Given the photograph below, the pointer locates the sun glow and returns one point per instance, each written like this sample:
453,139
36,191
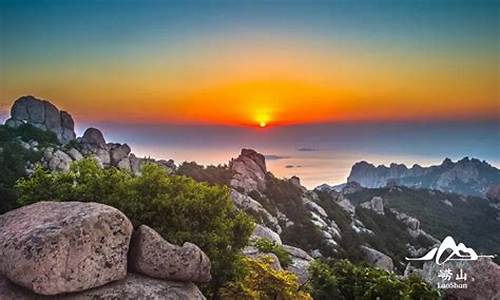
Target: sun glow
262,119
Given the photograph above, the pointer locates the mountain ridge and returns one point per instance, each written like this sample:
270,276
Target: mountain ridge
467,176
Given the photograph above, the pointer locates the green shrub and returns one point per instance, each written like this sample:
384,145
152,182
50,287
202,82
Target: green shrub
267,246
210,174
14,157
261,282
179,208
344,280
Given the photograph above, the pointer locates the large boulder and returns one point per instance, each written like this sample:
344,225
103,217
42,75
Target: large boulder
43,115
249,170
377,258
93,136
134,286
75,154
118,152
262,232
300,263
151,255
60,247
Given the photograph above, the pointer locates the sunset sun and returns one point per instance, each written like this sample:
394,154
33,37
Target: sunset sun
262,119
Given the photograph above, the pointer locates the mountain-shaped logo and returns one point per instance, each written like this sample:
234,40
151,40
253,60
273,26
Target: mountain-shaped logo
458,252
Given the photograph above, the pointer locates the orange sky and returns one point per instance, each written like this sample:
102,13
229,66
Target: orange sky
254,73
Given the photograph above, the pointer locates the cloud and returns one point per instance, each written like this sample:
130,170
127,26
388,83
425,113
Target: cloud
293,166
305,149
275,157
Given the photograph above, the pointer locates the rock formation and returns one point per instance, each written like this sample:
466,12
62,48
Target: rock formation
262,232
466,176
376,204
377,258
250,171
44,115
300,262
151,255
53,248
56,248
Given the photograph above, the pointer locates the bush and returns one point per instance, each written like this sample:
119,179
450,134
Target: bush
344,280
13,158
210,174
262,281
267,246
179,208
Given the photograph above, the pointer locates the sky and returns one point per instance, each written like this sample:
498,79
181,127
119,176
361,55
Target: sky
244,62
195,80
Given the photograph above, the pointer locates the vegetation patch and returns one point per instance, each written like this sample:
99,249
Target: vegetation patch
343,280
267,246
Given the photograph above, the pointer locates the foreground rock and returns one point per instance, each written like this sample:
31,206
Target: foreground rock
52,247
44,115
151,255
133,287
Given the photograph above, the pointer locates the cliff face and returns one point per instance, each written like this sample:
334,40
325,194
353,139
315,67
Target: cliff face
467,176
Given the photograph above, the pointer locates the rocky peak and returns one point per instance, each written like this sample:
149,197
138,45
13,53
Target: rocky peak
295,180
254,156
43,115
93,136
447,162
249,170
